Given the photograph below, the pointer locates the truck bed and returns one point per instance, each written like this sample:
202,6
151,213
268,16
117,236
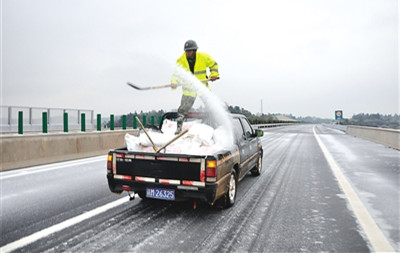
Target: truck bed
159,166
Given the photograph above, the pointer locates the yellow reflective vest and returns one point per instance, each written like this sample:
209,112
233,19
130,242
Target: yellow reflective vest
203,61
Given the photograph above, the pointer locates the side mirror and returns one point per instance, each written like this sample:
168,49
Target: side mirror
259,133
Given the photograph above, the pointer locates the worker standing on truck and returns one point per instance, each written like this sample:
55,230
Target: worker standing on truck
197,63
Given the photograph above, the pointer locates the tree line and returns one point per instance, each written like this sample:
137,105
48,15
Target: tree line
155,116
361,119
374,120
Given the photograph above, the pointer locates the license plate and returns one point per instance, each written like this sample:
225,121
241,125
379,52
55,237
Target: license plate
159,193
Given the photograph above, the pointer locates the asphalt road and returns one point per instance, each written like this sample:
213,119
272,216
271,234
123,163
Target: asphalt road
297,204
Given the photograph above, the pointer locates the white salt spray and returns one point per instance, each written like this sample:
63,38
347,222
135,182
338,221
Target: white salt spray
201,139
214,107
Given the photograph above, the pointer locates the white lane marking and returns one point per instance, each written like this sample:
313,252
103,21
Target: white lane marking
377,239
60,226
50,167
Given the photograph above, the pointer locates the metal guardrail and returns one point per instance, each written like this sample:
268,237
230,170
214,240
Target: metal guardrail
261,126
20,119
34,119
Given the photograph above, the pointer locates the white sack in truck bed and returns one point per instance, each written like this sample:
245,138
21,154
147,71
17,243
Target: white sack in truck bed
201,139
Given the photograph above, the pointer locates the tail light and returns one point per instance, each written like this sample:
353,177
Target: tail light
109,164
211,168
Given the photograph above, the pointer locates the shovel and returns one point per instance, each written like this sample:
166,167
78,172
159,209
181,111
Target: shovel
160,86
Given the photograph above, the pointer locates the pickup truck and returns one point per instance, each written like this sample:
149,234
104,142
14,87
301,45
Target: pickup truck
211,178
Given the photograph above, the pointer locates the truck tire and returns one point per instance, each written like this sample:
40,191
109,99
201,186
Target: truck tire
230,196
257,169
112,187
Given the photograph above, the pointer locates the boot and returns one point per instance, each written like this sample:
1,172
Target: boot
178,127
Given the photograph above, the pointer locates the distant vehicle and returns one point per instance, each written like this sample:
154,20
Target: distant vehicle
167,176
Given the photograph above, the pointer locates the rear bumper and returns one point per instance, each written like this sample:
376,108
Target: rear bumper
206,193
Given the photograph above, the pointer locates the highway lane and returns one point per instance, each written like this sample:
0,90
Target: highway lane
374,171
37,197
295,205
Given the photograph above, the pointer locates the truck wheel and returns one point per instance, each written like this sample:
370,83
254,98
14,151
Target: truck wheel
112,187
257,169
230,196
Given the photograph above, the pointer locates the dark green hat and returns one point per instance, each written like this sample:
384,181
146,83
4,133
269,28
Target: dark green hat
190,45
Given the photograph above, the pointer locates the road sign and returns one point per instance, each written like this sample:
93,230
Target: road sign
339,115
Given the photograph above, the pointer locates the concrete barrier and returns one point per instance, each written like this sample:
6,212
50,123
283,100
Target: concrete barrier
342,128
18,151
387,137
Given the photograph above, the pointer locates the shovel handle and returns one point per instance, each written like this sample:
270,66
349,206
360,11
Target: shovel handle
172,140
148,136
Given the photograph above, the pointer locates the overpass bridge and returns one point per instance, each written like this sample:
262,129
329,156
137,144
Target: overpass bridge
321,189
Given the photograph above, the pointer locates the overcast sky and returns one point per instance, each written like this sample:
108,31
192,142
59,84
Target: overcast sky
304,57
